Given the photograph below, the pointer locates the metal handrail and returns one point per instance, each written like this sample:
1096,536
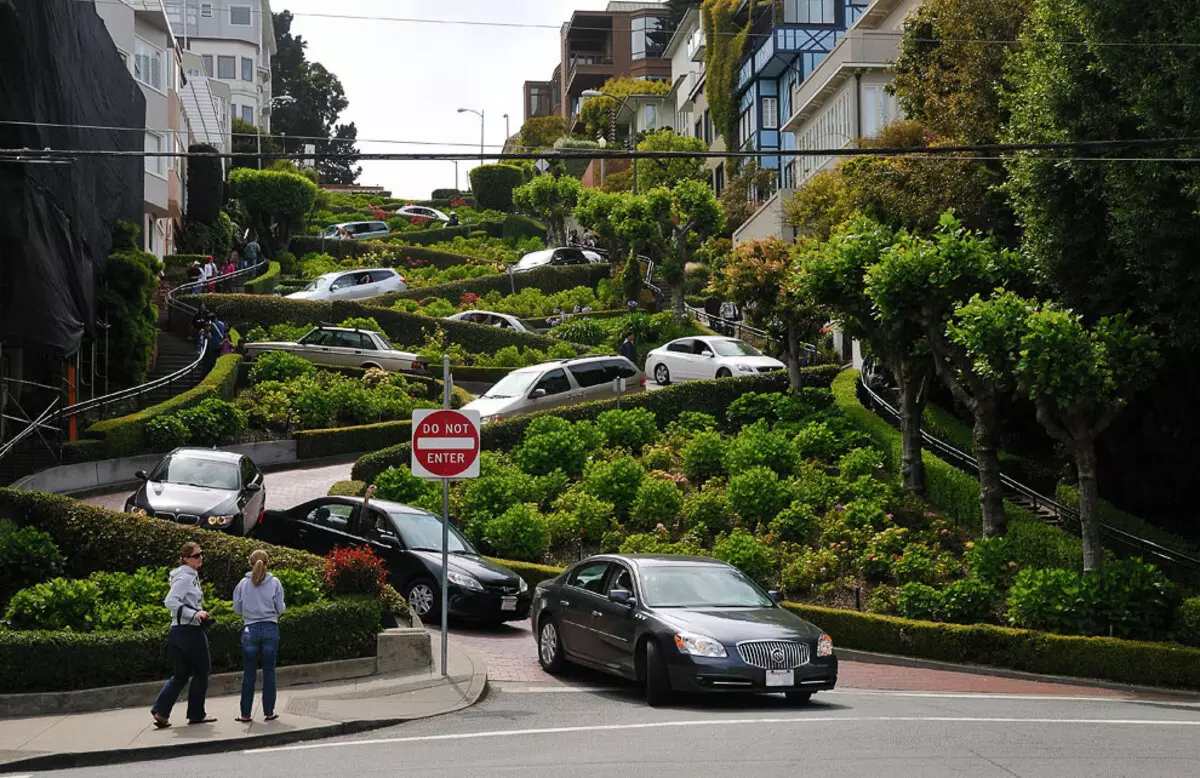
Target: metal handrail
34,426
1062,513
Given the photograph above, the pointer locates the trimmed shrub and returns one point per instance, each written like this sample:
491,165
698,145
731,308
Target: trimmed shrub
213,422
280,366
757,446
581,515
706,513
549,280
268,281
400,485
348,489
798,523
616,482
520,227
658,501
758,494
350,571
915,565
918,601
704,456
746,553
166,433
631,428
520,533
493,185
1187,622
27,556
968,601
553,444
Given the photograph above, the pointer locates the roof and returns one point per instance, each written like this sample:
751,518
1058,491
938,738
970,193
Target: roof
687,25
391,507
211,454
661,560
351,270
624,6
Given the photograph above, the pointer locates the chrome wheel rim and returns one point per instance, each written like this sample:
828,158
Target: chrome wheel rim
549,643
660,374
420,599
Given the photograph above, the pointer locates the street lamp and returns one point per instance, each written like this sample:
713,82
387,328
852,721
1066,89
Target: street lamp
280,100
480,115
629,142
507,131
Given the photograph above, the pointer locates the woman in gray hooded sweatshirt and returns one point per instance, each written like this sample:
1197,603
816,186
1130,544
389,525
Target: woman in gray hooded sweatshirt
189,644
258,599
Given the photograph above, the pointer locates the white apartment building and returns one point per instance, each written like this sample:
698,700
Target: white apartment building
687,51
235,40
142,34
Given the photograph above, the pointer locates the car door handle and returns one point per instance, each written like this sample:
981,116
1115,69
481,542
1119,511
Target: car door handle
565,603
596,614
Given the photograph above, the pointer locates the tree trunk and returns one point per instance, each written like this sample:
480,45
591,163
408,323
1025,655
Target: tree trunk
912,406
678,312
792,359
987,454
1089,495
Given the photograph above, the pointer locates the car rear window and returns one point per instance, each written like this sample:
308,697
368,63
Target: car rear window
618,368
382,275
588,373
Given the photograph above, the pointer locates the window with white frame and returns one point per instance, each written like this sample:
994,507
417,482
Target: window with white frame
879,110
239,15
227,68
770,113
208,64
834,129
809,12
247,69
651,117
154,145
148,64
248,114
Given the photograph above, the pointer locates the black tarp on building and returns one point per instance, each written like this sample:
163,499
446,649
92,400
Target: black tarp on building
58,66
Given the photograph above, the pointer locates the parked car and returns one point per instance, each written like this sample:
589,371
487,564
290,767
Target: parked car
687,359
678,624
567,255
492,319
410,542
411,211
344,347
199,487
556,383
356,231
352,285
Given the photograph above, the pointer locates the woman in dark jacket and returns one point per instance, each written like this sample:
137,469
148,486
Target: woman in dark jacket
189,644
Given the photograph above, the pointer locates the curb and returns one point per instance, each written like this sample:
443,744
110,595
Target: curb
476,691
871,657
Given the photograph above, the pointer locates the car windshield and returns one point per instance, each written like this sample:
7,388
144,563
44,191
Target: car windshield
193,471
735,348
315,285
423,532
700,586
512,385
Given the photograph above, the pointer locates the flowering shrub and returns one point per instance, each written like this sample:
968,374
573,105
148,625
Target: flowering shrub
350,571
747,553
706,513
615,481
798,523
632,428
757,446
704,456
758,495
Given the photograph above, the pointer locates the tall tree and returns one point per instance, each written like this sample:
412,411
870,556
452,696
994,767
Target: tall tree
739,198
318,99
275,201
1078,377
551,199
923,280
833,277
248,141
595,212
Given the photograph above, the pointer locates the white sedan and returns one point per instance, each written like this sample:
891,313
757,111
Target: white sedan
490,318
707,357
352,285
344,347
410,211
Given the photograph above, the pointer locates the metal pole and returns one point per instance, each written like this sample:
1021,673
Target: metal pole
258,140
445,526
481,137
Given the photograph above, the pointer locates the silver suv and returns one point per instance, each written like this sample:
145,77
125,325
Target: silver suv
557,383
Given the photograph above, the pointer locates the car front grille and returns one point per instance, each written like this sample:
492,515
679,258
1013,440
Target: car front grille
773,654
503,589
769,369
180,518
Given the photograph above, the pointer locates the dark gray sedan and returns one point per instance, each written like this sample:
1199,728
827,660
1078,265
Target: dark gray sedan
687,624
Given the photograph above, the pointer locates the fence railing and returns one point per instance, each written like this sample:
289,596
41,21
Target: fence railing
1046,507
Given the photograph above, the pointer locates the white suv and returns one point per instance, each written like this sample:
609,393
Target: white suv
557,383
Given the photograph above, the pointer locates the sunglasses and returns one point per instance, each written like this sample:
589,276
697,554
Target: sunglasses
199,555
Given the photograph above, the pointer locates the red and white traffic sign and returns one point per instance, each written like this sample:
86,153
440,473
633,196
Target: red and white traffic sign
445,444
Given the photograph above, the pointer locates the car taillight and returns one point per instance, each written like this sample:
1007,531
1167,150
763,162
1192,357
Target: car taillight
642,382
403,280
417,366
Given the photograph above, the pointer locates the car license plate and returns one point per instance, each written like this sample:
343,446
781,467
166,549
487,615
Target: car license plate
781,678
508,603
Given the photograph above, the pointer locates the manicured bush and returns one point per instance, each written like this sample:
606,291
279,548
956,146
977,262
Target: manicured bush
745,552
579,517
810,568
351,571
280,366
548,280
520,227
126,435
758,446
213,422
706,513
991,561
554,444
267,282
532,573
630,428
658,501
915,565
39,661
704,456
166,432
615,481
919,601
798,523
861,462
1187,622
493,185
519,533
348,489
400,485
27,556
481,499
758,494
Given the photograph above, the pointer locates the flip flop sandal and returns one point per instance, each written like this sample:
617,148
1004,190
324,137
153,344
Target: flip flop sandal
245,720
205,720
160,723
272,717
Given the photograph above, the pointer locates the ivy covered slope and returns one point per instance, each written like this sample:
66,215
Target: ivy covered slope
81,590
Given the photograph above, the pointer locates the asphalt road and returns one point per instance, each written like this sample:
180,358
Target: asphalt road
532,731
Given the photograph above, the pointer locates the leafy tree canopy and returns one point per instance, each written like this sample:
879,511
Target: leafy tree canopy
540,132
595,111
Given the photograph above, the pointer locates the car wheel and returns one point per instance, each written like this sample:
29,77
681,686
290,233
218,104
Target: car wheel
550,653
798,698
371,366
658,685
724,373
662,376
422,597
238,528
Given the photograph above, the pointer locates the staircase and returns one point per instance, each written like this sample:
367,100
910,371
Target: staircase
175,352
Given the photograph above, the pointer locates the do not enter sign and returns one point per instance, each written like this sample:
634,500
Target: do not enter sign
445,444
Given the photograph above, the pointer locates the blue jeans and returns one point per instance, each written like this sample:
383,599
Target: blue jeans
260,639
189,655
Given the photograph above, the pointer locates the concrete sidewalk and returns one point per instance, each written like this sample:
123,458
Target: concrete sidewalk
306,712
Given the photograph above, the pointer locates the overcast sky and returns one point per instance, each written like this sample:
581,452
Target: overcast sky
406,81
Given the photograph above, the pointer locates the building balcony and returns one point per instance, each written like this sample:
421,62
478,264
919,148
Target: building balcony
859,51
697,48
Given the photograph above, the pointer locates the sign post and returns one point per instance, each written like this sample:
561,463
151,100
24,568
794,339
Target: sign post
445,447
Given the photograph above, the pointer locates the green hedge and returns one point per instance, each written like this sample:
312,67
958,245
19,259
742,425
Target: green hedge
438,235
244,311
493,185
518,227
348,489
36,661
945,426
706,396
548,279
315,444
482,375
95,538
532,573
126,435
266,283
1108,659
352,249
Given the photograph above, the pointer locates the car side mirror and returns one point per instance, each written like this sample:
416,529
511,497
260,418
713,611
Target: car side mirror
392,541
142,475
776,596
253,487
708,355
537,394
621,597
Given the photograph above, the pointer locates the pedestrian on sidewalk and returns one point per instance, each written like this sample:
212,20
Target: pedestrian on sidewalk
188,643
258,599
628,349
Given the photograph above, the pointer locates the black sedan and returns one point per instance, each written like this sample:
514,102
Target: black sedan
410,541
217,490
676,623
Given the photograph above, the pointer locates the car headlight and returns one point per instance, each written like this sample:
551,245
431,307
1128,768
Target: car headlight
219,521
524,587
824,646
698,645
490,419
465,581
745,368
